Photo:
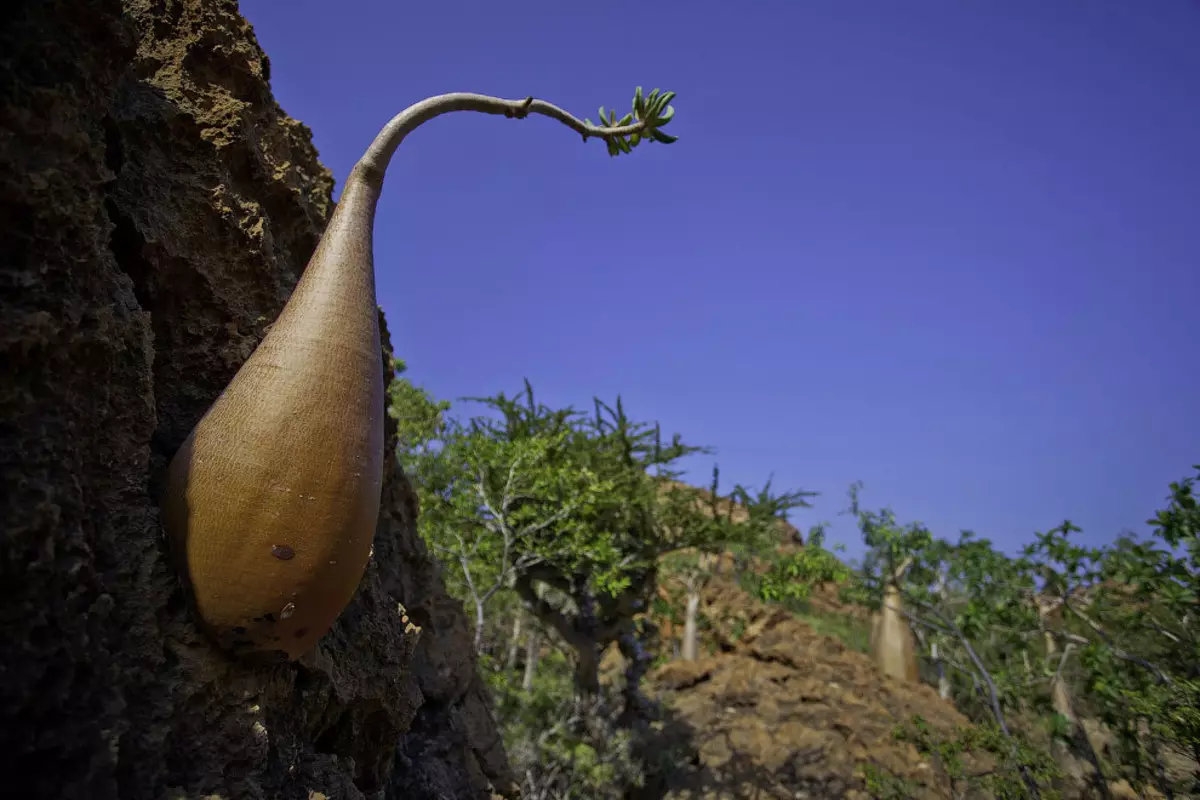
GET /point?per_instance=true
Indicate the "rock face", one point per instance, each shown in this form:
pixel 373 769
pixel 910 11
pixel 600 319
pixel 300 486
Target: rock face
pixel 157 208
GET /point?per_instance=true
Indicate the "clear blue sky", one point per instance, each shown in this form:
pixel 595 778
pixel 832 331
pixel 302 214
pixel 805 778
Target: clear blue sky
pixel 949 248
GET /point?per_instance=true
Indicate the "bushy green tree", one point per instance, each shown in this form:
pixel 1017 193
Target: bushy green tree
pixel 566 514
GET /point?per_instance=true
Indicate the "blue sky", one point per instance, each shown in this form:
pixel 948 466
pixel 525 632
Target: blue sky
pixel 950 249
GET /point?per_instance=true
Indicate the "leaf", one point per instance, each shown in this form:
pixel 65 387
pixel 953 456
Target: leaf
pixel 662 102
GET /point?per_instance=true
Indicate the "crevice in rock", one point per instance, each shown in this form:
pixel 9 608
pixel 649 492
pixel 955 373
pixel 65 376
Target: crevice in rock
pixel 114 152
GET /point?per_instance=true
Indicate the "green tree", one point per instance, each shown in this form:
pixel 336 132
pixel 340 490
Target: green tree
pixel 1130 609
pixel 527 498
pixel 959 596
pixel 1061 632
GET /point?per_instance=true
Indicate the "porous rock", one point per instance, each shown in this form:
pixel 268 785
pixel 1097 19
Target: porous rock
pixel 156 209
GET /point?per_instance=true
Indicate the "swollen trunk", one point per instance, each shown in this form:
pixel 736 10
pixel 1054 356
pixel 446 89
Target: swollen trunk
pixel 892 645
pixel 271 502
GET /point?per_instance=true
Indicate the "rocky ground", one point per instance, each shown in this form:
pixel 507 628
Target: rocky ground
pixel 777 710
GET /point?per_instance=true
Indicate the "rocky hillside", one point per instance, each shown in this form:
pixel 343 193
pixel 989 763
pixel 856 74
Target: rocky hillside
pixel 158 207
pixel 782 707
pixel 778 710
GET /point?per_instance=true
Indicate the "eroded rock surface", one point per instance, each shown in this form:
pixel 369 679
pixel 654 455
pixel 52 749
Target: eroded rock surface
pixel 157 207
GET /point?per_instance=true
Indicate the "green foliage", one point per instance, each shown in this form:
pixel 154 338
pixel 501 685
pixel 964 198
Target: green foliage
pixel 567 514
pixel 1132 608
pixel 792 577
pixel 951 754
pixel 853 633
pixel 654 109
pixel 1113 627
pixel 558 746
pixel 882 784
pixel 570 515
pixel 721 530
pixel 419 417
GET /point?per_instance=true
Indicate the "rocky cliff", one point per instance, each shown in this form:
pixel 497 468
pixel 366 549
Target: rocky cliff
pixel 157 208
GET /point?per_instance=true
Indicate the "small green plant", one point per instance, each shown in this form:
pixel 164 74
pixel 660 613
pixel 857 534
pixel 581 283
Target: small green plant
pixel 851 631
pixel 1006 780
pixel 792 577
pixel 883 785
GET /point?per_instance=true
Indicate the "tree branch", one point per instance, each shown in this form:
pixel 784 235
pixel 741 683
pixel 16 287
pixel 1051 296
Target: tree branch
pixel 1061 662
pixel 993 692
pixel 1083 641
pixel 541 609
pixel 374 162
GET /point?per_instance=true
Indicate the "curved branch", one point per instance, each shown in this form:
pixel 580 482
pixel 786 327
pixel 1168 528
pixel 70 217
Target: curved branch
pixel 375 161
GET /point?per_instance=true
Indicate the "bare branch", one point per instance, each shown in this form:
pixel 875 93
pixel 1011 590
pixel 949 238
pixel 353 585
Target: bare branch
pixel 993 692
pixel 1116 651
pixel 1062 662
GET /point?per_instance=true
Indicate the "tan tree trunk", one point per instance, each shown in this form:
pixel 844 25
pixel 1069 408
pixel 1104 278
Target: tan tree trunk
pixel 893 646
pixel 690 633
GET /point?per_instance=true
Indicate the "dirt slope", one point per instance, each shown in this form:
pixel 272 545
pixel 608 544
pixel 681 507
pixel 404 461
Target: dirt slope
pixel 780 711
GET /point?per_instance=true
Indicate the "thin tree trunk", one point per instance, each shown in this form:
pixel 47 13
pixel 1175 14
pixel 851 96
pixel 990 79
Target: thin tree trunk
pixel 514 641
pixel 531 659
pixel 943 681
pixel 1062 702
pixel 478 626
pixel 690 644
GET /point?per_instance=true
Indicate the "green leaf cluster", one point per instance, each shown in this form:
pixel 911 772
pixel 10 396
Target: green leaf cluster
pixel 792 577
pixel 954 753
pixel 654 110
